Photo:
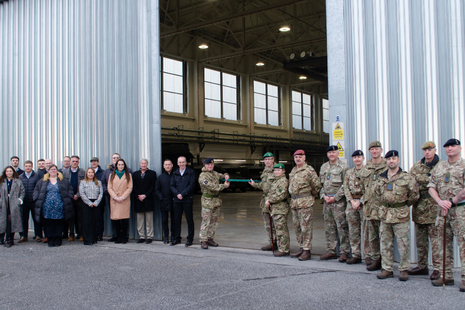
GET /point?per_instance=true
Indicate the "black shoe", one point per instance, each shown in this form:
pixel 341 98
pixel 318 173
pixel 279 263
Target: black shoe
pixel 99 238
pixel 112 239
pixel 148 241
pixel 7 244
pixel 174 243
pixel 188 243
pixel 141 241
pixel 167 240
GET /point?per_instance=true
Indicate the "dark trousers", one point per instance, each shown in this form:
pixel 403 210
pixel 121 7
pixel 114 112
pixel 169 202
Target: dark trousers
pixel 74 222
pixel 121 227
pixel 8 235
pixel 53 230
pixel 178 208
pixel 101 218
pixel 30 207
pixel 90 218
pixel 164 223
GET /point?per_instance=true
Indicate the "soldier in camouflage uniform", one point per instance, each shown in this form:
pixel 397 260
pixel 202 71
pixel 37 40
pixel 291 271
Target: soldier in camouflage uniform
pixel 304 185
pixel 371 204
pixel 276 200
pixel 267 177
pixel 211 202
pixel 397 190
pixel 332 175
pixel 446 188
pixel 353 190
pixel 424 213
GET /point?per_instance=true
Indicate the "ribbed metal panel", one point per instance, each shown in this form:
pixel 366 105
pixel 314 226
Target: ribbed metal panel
pixel 405 76
pixel 76 78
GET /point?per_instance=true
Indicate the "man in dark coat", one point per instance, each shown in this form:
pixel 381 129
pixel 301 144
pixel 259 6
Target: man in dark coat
pixel 29 179
pixel 182 187
pixel 15 164
pixel 163 192
pixel 143 185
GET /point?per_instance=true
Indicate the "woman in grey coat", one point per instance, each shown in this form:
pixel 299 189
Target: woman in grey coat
pixel 11 198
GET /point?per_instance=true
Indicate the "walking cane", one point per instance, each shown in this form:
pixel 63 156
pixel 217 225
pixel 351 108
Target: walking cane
pixel 444 256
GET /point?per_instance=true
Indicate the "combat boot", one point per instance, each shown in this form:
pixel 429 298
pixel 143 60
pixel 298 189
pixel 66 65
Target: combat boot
pixel 435 275
pixel 354 260
pixel 417 271
pixel 438 282
pixel 462 286
pixel 210 242
pixel 204 245
pixel 298 253
pixel 376 265
pixel 269 248
pixel 385 274
pixel 403 275
pixel 343 258
pixel 368 261
pixel 280 254
pixel 306 255
pixel 328 255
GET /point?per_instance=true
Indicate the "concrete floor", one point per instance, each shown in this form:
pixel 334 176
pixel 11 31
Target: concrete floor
pixel 241 223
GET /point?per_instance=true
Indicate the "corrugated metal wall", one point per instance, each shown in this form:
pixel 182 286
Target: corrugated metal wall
pixel 77 78
pixel 404 75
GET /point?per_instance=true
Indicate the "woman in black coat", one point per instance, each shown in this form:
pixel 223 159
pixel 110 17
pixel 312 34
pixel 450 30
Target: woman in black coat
pixel 53 196
pixel 143 185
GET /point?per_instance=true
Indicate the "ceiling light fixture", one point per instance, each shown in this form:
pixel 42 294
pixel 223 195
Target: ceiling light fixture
pixel 302 77
pixel 203 46
pixel 303 54
pixel 285 28
pixel 291 56
pixel 260 64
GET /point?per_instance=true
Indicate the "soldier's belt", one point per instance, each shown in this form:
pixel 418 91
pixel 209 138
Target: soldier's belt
pixel 209 196
pixel 394 205
pixel 356 196
pixel 425 195
pixel 308 194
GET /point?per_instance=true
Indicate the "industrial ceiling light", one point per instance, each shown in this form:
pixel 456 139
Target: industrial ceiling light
pixel 285 28
pixel 302 77
pixel 291 56
pixel 260 63
pixel 303 54
pixel 203 46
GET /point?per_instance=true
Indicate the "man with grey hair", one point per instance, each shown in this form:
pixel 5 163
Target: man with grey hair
pixel 143 182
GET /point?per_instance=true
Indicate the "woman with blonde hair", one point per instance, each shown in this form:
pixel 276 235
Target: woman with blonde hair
pixel 91 192
pixel 119 189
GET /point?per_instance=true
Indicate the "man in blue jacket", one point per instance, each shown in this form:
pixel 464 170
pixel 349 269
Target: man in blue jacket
pixel 182 187
pixel 29 179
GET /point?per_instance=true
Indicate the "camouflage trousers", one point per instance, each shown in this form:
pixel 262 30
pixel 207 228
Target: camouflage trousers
pixel 266 220
pixel 210 216
pixel 303 226
pixel 423 231
pixel 371 235
pixel 401 232
pixel 336 225
pixel 355 220
pixel 455 225
pixel 282 232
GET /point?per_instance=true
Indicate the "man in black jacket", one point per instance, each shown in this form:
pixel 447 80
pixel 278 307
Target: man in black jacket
pixel 29 179
pixel 182 187
pixel 163 192
pixel 15 164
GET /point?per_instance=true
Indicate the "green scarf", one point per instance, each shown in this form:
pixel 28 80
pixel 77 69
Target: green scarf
pixel 119 174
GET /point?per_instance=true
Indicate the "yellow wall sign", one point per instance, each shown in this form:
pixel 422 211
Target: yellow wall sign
pixel 338 131
pixel 340 147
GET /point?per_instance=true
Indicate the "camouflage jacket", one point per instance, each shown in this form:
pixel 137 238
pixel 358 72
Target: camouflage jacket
pixel 210 182
pixel 304 180
pixel 267 177
pixel 425 210
pixel 353 184
pixel 448 178
pixel 332 179
pixel 369 174
pixel 402 188
pixel 277 196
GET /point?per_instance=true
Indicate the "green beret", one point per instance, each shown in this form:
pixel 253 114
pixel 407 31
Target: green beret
pixel 374 144
pixel 280 166
pixel 428 144
pixel 268 154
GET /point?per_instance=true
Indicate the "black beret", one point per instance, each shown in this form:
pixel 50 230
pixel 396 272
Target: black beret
pixel 208 161
pixel 331 148
pixel 357 153
pixel 452 142
pixel 391 153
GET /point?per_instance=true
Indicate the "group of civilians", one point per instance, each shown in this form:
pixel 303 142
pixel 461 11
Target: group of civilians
pixel 69 203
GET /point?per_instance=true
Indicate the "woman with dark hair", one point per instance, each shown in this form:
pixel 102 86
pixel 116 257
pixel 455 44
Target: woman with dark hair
pixel 119 189
pixel 53 196
pixel 12 195
pixel 91 192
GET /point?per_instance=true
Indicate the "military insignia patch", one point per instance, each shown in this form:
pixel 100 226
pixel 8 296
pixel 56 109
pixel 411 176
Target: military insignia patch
pixel 389 187
pixel 205 182
pixel 327 178
pixel 447 179
pixel 374 177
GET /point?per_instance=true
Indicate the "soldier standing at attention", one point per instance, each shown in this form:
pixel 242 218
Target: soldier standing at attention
pixel 371 204
pixel 304 185
pixel 353 189
pixel 276 200
pixel 332 175
pixel 424 214
pixel 210 186
pixel 446 187
pixel 267 176
pixel 397 190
